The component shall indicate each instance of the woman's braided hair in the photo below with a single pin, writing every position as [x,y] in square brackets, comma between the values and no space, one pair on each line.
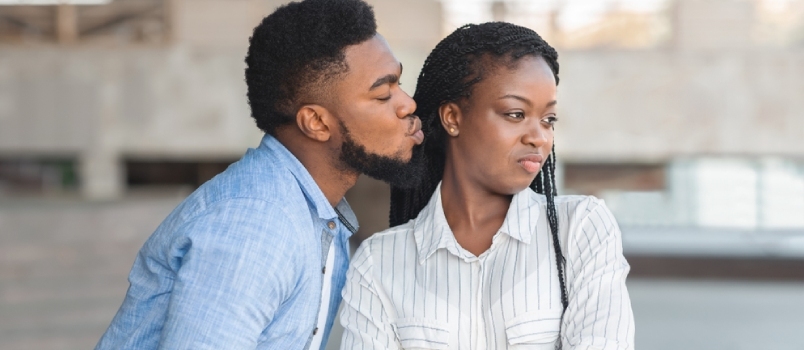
[449,73]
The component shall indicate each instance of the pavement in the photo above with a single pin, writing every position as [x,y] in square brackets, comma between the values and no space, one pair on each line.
[64,264]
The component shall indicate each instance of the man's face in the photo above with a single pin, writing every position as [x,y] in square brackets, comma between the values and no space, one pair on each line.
[378,132]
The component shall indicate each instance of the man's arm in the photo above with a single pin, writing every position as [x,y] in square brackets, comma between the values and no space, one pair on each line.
[234,269]
[599,314]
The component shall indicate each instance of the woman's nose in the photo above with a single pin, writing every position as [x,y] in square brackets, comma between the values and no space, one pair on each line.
[536,136]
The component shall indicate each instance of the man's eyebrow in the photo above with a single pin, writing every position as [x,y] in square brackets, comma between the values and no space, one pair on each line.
[387,79]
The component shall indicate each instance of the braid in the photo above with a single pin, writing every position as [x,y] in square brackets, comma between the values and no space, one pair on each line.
[449,73]
[538,184]
[546,181]
[550,193]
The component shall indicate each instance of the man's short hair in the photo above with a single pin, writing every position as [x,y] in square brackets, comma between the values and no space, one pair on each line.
[296,52]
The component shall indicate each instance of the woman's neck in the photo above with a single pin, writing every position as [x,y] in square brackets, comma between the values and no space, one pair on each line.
[474,214]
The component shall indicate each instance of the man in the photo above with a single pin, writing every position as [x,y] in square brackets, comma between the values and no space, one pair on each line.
[256,257]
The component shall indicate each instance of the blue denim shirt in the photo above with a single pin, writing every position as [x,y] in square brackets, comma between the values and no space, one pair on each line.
[238,264]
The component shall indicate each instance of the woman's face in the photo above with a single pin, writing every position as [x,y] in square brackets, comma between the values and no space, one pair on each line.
[502,136]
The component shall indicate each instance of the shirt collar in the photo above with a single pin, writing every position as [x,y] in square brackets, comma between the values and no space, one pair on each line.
[431,230]
[308,186]
[349,217]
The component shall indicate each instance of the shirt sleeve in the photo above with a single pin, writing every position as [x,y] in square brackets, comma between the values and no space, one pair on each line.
[599,314]
[366,324]
[233,269]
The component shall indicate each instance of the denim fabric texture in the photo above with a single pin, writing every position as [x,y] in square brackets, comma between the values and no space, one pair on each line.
[238,264]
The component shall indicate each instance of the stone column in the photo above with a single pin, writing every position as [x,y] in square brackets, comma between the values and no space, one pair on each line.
[102,175]
[66,23]
[101,168]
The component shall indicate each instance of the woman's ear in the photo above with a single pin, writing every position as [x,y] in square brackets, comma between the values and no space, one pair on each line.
[450,115]
[314,122]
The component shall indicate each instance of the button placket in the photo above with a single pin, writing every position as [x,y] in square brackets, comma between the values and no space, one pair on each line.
[327,253]
[332,226]
[481,320]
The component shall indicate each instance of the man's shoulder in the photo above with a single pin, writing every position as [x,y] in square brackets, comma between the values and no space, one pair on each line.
[264,198]
[253,177]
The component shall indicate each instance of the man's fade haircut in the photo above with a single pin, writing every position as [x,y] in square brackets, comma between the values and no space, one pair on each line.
[295,51]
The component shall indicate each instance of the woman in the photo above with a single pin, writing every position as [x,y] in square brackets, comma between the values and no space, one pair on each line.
[485,255]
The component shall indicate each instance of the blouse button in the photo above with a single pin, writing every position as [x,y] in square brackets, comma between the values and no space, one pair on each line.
[331,225]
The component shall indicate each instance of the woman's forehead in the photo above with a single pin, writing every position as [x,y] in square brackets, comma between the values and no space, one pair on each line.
[531,73]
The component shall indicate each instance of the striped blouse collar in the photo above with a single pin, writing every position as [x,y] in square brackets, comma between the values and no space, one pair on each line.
[432,232]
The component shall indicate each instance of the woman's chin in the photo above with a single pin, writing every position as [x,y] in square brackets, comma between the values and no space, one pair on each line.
[513,187]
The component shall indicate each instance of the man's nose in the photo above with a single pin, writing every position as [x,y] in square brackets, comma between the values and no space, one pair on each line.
[407,107]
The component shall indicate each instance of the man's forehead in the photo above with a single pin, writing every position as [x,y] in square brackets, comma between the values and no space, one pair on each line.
[371,59]
[376,44]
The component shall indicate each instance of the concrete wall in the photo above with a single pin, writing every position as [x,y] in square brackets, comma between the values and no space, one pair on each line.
[187,100]
[655,105]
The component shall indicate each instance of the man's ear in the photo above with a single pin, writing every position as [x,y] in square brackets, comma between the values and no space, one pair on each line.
[313,121]
[451,116]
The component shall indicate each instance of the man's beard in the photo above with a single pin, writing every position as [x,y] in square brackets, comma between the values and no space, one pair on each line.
[394,171]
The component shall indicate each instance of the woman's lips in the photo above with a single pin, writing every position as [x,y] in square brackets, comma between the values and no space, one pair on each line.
[531,163]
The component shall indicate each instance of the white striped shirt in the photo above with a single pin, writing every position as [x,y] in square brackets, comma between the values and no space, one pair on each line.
[414,287]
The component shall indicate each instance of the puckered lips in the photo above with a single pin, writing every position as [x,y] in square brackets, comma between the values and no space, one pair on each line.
[532,163]
[416,130]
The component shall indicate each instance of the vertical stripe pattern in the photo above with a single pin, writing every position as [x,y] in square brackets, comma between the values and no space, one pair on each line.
[414,287]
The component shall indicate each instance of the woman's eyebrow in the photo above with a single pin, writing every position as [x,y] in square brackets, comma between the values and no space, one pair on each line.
[527,101]
[517,97]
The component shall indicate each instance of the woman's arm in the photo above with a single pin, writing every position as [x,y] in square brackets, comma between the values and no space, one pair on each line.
[364,318]
[599,313]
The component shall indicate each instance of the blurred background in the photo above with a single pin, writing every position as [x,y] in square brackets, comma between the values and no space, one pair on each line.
[686,116]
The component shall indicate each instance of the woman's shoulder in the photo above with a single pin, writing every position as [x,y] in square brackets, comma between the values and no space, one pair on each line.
[577,202]
[569,202]
[392,232]
[573,208]
[392,235]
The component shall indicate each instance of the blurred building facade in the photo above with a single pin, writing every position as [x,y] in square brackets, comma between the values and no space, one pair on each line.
[685,113]
[686,116]
[139,83]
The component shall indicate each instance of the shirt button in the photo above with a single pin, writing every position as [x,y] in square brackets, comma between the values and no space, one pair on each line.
[331,225]
[315,330]
[324,270]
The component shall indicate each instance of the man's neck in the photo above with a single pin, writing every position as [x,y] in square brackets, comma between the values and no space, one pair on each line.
[320,161]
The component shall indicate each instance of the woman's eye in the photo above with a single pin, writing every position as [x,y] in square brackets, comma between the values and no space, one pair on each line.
[516,115]
[387,98]
[551,120]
